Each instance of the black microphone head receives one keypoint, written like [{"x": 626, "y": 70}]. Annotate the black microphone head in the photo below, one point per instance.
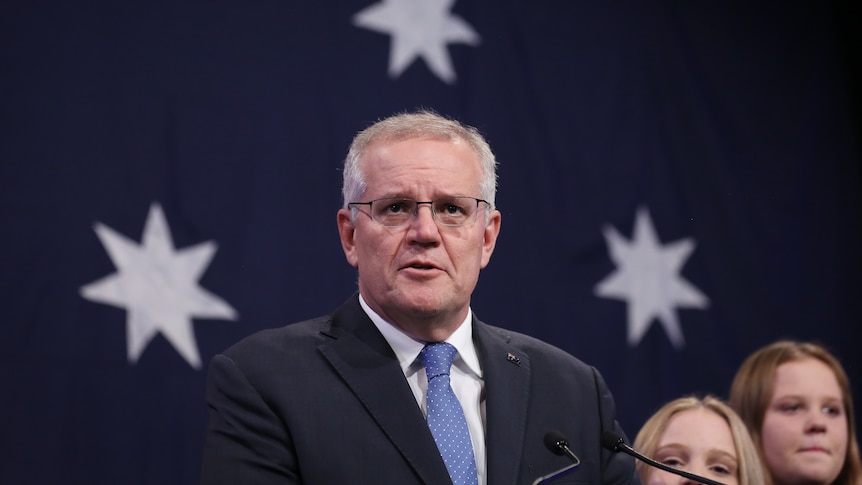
[
  {"x": 555, "y": 441},
  {"x": 612, "y": 441}
]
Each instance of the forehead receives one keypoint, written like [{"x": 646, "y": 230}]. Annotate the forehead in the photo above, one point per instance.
[
  {"x": 806, "y": 377},
  {"x": 699, "y": 429},
  {"x": 436, "y": 165}
]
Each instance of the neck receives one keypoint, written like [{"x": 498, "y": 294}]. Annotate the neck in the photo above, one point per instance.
[{"x": 426, "y": 327}]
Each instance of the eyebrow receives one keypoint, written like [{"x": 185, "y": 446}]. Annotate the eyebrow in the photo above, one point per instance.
[
  {"x": 711, "y": 453},
  {"x": 716, "y": 453},
  {"x": 806, "y": 398},
  {"x": 399, "y": 195}
]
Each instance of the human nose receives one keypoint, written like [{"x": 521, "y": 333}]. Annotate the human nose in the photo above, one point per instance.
[
  {"x": 696, "y": 470},
  {"x": 661, "y": 477},
  {"x": 689, "y": 481},
  {"x": 815, "y": 422},
  {"x": 423, "y": 226}
]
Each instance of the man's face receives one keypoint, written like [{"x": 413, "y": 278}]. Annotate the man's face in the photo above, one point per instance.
[{"x": 419, "y": 276}]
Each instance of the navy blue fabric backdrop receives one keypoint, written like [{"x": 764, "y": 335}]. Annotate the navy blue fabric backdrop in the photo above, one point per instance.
[{"x": 679, "y": 184}]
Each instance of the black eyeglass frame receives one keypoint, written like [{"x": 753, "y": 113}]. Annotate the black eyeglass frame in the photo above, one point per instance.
[{"x": 416, "y": 209}]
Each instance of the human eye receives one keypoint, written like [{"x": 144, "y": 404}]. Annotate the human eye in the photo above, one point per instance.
[
  {"x": 390, "y": 207},
  {"x": 392, "y": 212},
  {"x": 833, "y": 409},
  {"x": 723, "y": 464},
  {"x": 453, "y": 211},
  {"x": 452, "y": 207},
  {"x": 396, "y": 206},
  {"x": 671, "y": 456},
  {"x": 789, "y": 407}
]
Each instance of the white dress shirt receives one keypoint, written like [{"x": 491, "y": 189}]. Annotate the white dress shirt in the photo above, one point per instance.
[{"x": 465, "y": 376}]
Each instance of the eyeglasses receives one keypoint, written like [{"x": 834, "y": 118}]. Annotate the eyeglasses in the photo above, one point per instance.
[{"x": 447, "y": 211}]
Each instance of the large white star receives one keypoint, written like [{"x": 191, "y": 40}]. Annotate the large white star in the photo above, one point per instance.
[
  {"x": 158, "y": 287},
  {"x": 419, "y": 28},
  {"x": 647, "y": 277}
]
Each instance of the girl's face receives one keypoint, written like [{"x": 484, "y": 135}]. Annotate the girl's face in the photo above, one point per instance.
[
  {"x": 804, "y": 429},
  {"x": 698, "y": 441}
]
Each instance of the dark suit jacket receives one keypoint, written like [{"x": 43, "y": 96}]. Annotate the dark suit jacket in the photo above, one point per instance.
[{"x": 325, "y": 402}]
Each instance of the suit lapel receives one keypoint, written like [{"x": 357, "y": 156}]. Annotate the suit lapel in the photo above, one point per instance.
[
  {"x": 507, "y": 381},
  {"x": 363, "y": 358}
]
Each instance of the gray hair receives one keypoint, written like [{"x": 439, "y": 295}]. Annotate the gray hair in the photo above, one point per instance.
[{"x": 419, "y": 124}]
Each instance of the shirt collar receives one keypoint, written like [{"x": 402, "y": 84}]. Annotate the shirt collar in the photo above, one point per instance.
[{"x": 407, "y": 348}]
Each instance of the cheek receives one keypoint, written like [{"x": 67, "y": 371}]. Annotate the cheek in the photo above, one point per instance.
[
  {"x": 768, "y": 433},
  {"x": 373, "y": 255},
  {"x": 840, "y": 436},
  {"x": 778, "y": 436},
  {"x": 659, "y": 477},
  {"x": 379, "y": 245}
]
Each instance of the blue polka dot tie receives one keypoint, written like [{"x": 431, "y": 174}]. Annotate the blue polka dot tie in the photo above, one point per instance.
[{"x": 445, "y": 416}]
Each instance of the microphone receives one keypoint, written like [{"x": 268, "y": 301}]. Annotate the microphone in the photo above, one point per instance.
[
  {"x": 559, "y": 445},
  {"x": 614, "y": 442}
]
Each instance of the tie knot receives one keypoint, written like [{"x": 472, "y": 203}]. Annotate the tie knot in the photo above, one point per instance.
[{"x": 437, "y": 358}]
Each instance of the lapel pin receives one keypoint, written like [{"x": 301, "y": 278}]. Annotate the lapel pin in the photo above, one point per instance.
[{"x": 513, "y": 359}]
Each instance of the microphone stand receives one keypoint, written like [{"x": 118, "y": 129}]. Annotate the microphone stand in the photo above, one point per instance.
[{"x": 615, "y": 443}]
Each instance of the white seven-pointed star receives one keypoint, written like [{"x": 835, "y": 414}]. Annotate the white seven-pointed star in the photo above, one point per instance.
[
  {"x": 647, "y": 276},
  {"x": 419, "y": 28},
  {"x": 158, "y": 287}
]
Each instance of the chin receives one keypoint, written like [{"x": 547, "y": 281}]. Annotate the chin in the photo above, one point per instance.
[
  {"x": 424, "y": 299},
  {"x": 417, "y": 303},
  {"x": 816, "y": 476}
]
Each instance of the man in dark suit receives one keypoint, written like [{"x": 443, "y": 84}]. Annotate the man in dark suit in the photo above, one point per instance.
[{"x": 345, "y": 398}]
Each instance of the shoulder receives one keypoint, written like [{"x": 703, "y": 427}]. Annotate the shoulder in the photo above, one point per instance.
[
  {"x": 294, "y": 348},
  {"x": 288, "y": 339}
]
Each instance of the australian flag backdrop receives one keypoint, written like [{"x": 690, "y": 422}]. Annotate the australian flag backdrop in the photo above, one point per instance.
[{"x": 679, "y": 184}]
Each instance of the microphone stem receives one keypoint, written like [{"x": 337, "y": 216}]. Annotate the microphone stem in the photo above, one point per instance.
[
  {"x": 572, "y": 455},
  {"x": 555, "y": 474}
]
